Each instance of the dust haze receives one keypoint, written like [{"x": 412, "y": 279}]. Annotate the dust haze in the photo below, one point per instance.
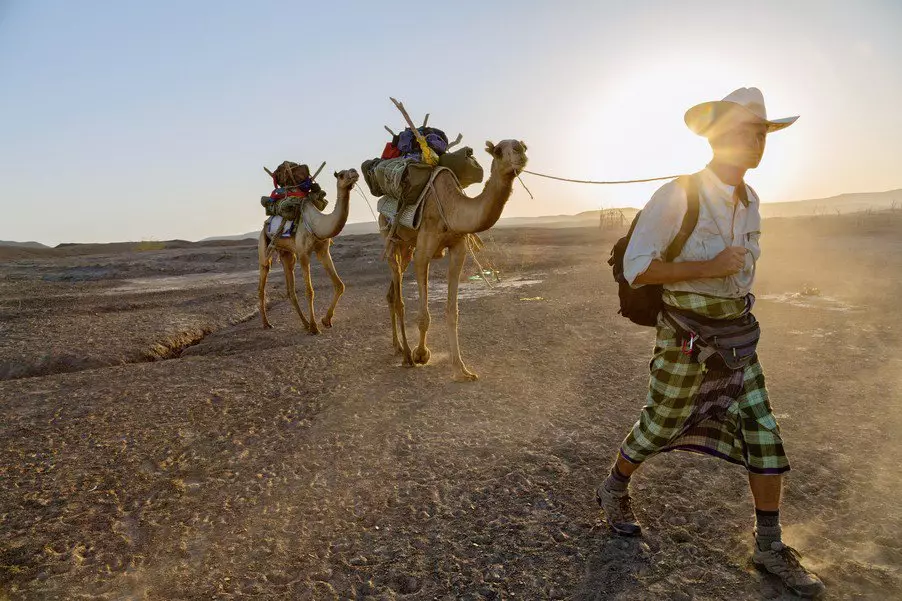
[{"x": 157, "y": 443}]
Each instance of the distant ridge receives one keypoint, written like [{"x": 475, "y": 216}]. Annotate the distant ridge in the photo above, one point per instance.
[
  {"x": 31, "y": 244},
  {"x": 841, "y": 204},
  {"x": 844, "y": 203}
]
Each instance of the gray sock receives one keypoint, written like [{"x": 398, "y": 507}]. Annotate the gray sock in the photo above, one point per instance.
[
  {"x": 767, "y": 529},
  {"x": 616, "y": 481}
]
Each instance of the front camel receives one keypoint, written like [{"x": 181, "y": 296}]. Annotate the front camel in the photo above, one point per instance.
[{"x": 449, "y": 217}]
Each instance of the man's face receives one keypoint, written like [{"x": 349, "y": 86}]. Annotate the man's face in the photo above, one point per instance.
[{"x": 741, "y": 145}]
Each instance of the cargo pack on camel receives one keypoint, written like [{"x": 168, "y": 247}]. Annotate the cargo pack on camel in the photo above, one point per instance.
[
  {"x": 298, "y": 200},
  {"x": 424, "y": 213},
  {"x": 409, "y": 162},
  {"x": 292, "y": 187}
]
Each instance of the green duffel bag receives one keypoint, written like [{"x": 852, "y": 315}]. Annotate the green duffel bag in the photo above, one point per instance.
[
  {"x": 289, "y": 208},
  {"x": 464, "y": 166},
  {"x": 402, "y": 178},
  {"x": 269, "y": 204},
  {"x": 369, "y": 176},
  {"x": 318, "y": 199}
]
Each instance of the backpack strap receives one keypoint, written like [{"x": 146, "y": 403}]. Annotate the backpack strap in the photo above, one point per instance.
[
  {"x": 690, "y": 219},
  {"x": 752, "y": 193}
]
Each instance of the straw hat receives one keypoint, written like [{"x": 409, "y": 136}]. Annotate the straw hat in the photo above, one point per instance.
[{"x": 745, "y": 103}]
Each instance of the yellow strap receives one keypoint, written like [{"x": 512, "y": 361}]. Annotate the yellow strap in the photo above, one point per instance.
[{"x": 429, "y": 157}]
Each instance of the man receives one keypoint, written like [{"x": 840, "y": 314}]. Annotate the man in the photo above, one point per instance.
[{"x": 709, "y": 407}]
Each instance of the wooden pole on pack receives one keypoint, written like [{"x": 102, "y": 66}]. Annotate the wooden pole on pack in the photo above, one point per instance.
[
  {"x": 456, "y": 141},
  {"x": 390, "y": 132},
  {"x": 426, "y": 120},
  {"x": 271, "y": 247},
  {"x": 318, "y": 170},
  {"x": 428, "y": 156},
  {"x": 406, "y": 116}
]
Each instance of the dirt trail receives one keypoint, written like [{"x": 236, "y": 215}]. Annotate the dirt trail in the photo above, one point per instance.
[{"x": 274, "y": 465}]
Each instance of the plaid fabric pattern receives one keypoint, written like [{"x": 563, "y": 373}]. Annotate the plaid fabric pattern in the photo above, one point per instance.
[
  {"x": 746, "y": 434},
  {"x": 707, "y": 306}
]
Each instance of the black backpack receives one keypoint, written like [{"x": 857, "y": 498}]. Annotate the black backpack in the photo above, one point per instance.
[{"x": 642, "y": 305}]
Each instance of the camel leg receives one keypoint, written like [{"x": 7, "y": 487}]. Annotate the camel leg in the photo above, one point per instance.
[
  {"x": 288, "y": 261},
  {"x": 421, "y": 259},
  {"x": 325, "y": 257},
  {"x": 265, "y": 262},
  {"x": 308, "y": 283},
  {"x": 261, "y": 292},
  {"x": 390, "y": 297},
  {"x": 397, "y": 264},
  {"x": 455, "y": 265}
]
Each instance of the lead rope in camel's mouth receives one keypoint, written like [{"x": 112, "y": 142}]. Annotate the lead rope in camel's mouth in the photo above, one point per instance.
[
  {"x": 367, "y": 200},
  {"x": 524, "y": 185},
  {"x": 586, "y": 181},
  {"x": 600, "y": 183}
]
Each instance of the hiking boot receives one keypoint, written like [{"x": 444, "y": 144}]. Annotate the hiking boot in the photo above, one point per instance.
[
  {"x": 785, "y": 562},
  {"x": 618, "y": 511}
]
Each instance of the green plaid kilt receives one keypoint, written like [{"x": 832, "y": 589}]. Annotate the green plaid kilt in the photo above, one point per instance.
[{"x": 748, "y": 436}]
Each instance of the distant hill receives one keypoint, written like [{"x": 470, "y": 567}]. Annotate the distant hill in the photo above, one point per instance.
[
  {"x": 844, "y": 203},
  {"x": 22, "y": 244}
]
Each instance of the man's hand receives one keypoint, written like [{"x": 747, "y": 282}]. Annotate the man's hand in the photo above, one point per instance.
[{"x": 729, "y": 261}]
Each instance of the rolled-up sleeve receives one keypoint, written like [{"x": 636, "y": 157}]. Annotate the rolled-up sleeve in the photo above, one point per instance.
[{"x": 657, "y": 227}]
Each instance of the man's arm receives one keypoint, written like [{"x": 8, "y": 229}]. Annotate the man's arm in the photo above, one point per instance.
[{"x": 730, "y": 261}]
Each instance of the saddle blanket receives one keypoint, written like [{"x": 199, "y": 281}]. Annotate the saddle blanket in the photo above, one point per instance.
[
  {"x": 408, "y": 214},
  {"x": 273, "y": 223}
]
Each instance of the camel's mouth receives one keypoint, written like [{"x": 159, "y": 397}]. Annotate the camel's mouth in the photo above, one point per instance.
[{"x": 351, "y": 176}]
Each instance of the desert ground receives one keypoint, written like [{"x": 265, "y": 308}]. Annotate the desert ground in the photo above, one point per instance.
[{"x": 157, "y": 443}]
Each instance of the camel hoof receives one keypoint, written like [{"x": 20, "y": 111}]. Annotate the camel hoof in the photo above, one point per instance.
[
  {"x": 267, "y": 326},
  {"x": 313, "y": 330},
  {"x": 465, "y": 376},
  {"x": 421, "y": 356},
  {"x": 327, "y": 322}
]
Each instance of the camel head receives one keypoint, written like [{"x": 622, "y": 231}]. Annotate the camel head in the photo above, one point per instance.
[
  {"x": 508, "y": 156},
  {"x": 290, "y": 174},
  {"x": 347, "y": 179}
]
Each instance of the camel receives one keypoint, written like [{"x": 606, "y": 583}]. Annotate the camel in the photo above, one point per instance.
[
  {"x": 448, "y": 217},
  {"x": 318, "y": 239}
]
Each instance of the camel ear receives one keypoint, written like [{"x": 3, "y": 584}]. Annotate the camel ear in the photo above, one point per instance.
[
  {"x": 335, "y": 174},
  {"x": 489, "y": 147}
]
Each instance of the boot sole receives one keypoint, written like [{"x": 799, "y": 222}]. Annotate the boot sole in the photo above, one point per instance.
[{"x": 763, "y": 569}]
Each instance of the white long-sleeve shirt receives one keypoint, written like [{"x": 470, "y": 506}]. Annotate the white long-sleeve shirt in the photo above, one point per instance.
[{"x": 723, "y": 220}]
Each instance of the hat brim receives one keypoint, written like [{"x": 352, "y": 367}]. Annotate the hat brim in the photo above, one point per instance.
[{"x": 702, "y": 116}]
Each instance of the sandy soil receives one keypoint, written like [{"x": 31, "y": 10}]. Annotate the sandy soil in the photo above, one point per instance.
[{"x": 157, "y": 443}]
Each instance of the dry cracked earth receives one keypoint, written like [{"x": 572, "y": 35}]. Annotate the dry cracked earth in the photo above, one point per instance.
[{"x": 157, "y": 443}]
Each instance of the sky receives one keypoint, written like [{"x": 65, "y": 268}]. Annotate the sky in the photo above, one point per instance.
[{"x": 153, "y": 120}]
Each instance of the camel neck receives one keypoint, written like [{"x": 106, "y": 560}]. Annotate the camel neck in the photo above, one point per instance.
[
  {"x": 494, "y": 197},
  {"x": 468, "y": 215}
]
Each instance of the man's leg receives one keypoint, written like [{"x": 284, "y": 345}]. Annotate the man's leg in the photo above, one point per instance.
[
  {"x": 624, "y": 467},
  {"x": 614, "y": 498},
  {"x": 770, "y": 552},
  {"x": 766, "y": 491},
  {"x": 673, "y": 379}
]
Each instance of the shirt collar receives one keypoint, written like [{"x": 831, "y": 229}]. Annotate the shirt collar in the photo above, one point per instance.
[{"x": 727, "y": 190}]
